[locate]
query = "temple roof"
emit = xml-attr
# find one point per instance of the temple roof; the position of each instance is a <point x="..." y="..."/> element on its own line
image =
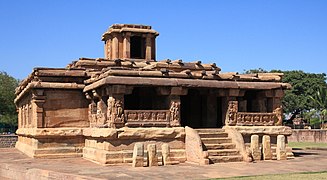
<point x="136" y="28"/>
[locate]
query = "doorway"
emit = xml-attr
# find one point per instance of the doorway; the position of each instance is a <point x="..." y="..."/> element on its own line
<point x="201" y="110"/>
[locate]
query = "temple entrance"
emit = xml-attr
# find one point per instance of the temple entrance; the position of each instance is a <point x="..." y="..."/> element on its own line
<point x="201" y="110"/>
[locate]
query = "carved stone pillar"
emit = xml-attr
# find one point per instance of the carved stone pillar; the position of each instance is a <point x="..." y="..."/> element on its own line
<point x="231" y="114"/>
<point x="148" y="47"/>
<point x="175" y="111"/>
<point x="101" y="118"/>
<point x="127" y="46"/>
<point x="262" y="107"/>
<point x="115" y="111"/>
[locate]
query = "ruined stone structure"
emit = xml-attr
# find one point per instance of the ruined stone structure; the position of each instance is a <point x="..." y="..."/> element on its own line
<point x="115" y="109"/>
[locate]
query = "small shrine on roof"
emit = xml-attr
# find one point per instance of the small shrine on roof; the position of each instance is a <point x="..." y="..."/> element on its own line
<point x="101" y="108"/>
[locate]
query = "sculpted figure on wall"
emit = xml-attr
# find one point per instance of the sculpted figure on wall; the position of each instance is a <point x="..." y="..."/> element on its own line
<point x="115" y="112"/>
<point x="232" y="113"/>
<point x="279" y="115"/>
<point x="175" y="113"/>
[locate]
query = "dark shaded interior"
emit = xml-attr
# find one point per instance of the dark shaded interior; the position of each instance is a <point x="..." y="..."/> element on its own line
<point x="201" y="110"/>
<point x="137" y="44"/>
<point x="146" y="98"/>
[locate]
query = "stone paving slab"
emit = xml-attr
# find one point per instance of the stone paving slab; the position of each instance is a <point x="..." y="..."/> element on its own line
<point x="16" y="165"/>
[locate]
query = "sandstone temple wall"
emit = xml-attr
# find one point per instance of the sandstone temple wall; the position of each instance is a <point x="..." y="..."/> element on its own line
<point x="65" y="108"/>
<point x="308" y="135"/>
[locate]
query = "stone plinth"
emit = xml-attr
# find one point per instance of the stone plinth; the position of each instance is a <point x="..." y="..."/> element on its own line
<point x="115" y="146"/>
<point x="266" y="148"/>
<point x="152" y="155"/>
<point x="138" y="155"/>
<point x="255" y="148"/>
<point x="281" y="148"/>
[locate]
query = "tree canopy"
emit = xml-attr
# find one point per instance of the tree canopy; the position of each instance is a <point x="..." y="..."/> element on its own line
<point x="8" y="114"/>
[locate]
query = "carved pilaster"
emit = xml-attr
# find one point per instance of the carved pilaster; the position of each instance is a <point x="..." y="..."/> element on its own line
<point x="115" y="111"/>
<point x="175" y="109"/>
<point x="231" y="115"/>
<point x="127" y="46"/>
<point x="38" y="100"/>
<point x="101" y="113"/>
<point x="148" y="46"/>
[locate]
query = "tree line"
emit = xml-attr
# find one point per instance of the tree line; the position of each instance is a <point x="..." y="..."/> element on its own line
<point x="306" y="99"/>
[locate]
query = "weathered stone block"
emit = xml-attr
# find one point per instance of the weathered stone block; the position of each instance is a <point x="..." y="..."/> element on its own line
<point x="255" y="148"/>
<point x="165" y="150"/>
<point x="266" y="148"/>
<point x="138" y="155"/>
<point x="152" y="155"/>
<point x="281" y="148"/>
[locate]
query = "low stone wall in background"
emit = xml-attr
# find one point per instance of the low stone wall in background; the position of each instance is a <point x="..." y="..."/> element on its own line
<point x="8" y="141"/>
<point x="308" y="135"/>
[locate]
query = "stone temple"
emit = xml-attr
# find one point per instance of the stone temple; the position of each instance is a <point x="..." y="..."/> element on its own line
<point x="129" y="107"/>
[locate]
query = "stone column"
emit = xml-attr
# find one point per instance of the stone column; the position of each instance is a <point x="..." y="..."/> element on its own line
<point x="262" y="105"/>
<point x="108" y="49"/>
<point x="211" y="120"/>
<point x="255" y="148"/>
<point x="115" y="48"/>
<point x="138" y="155"/>
<point x="148" y="47"/>
<point x="281" y="148"/>
<point x="127" y="46"/>
<point x="266" y="148"/>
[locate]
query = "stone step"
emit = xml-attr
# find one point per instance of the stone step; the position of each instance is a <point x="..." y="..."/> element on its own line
<point x="223" y="152"/>
<point x="224" y="159"/>
<point x="173" y="159"/>
<point x="55" y="156"/>
<point x="213" y="135"/>
<point x="208" y="130"/>
<point x="220" y="146"/>
<point x="216" y="140"/>
<point x="59" y="150"/>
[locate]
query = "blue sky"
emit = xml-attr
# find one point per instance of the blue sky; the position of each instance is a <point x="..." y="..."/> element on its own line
<point x="236" y="35"/>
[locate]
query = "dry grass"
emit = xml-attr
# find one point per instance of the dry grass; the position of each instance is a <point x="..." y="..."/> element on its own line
<point x="292" y="176"/>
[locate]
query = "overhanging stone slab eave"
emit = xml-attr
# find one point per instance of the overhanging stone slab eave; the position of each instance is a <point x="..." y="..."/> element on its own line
<point x="47" y="85"/>
<point x="191" y="83"/>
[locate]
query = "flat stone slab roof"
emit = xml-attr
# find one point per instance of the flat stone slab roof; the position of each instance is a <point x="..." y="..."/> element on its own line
<point x="15" y="164"/>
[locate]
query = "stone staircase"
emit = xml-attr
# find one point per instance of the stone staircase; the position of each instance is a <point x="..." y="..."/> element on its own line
<point x="219" y="146"/>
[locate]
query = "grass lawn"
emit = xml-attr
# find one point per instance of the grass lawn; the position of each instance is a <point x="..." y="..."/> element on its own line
<point x="304" y="145"/>
<point x="291" y="176"/>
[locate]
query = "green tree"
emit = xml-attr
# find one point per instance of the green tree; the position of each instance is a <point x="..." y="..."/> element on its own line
<point x="8" y="114"/>
<point x="320" y="102"/>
